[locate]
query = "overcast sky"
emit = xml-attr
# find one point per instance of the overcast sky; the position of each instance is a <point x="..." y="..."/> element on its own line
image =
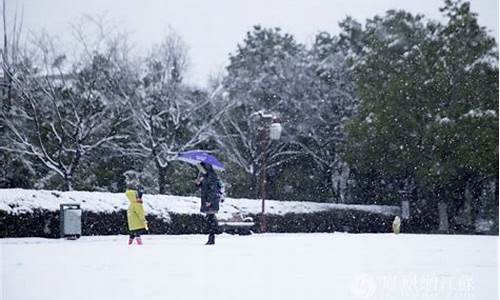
<point x="213" y="28"/>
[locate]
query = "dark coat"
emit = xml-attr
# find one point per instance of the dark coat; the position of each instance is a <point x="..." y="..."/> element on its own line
<point x="210" y="193"/>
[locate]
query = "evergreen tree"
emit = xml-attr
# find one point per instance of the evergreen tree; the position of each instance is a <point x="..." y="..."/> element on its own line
<point x="262" y="76"/>
<point x="428" y="123"/>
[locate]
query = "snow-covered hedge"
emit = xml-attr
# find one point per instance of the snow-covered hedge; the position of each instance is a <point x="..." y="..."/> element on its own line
<point x="36" y="213"/>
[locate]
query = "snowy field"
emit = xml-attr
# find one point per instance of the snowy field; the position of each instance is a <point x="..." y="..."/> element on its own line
<point x="267" y="266"/>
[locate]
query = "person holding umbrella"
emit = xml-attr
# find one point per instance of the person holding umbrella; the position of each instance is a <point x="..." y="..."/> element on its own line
<point x="212" y="191"/>
<point x="211" y="196"/>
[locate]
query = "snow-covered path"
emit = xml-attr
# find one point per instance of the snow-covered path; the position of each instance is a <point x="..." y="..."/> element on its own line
<point x="268" y="266"/>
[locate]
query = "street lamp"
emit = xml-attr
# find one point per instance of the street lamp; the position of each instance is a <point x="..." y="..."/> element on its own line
<point x="270" y="128"/>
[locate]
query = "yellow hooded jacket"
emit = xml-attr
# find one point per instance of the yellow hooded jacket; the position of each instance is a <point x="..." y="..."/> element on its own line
<point x="135" y="214"/>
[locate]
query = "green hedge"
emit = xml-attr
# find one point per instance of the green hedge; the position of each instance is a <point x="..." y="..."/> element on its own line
<point x="44" y="223"/>
<point x="353" y="221"/>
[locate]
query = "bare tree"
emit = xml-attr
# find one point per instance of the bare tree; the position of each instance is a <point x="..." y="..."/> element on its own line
<point x="168" y="116"/>
<point x="64" y="112"/>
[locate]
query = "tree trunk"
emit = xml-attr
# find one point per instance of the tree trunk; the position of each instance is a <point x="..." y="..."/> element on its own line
<point x="162" y="179"/>
<point x="7" y="67"/>
<point x="339" y="175"/>
<point x="443" y="216"/>
<point x="468" y="198"/>
<point x="68" y="181"/>
<point x="333" y="184"/>
<point x="255" y="184"/>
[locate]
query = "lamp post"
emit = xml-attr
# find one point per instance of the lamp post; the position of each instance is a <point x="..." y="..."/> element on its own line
<point x="270" y="128"/>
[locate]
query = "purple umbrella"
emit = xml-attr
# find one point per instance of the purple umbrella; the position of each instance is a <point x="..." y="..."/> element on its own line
<point x="197" y="156"/>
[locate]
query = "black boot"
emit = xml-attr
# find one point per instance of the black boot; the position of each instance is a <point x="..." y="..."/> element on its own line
<point x="211" y="239"/>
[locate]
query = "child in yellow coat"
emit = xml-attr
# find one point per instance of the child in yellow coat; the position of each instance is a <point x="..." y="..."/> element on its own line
<point x="136" y="218"/>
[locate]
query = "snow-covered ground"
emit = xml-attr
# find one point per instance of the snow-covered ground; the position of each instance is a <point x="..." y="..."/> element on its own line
<point x="17" y="201"/>
<point x="266" y="266"/>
